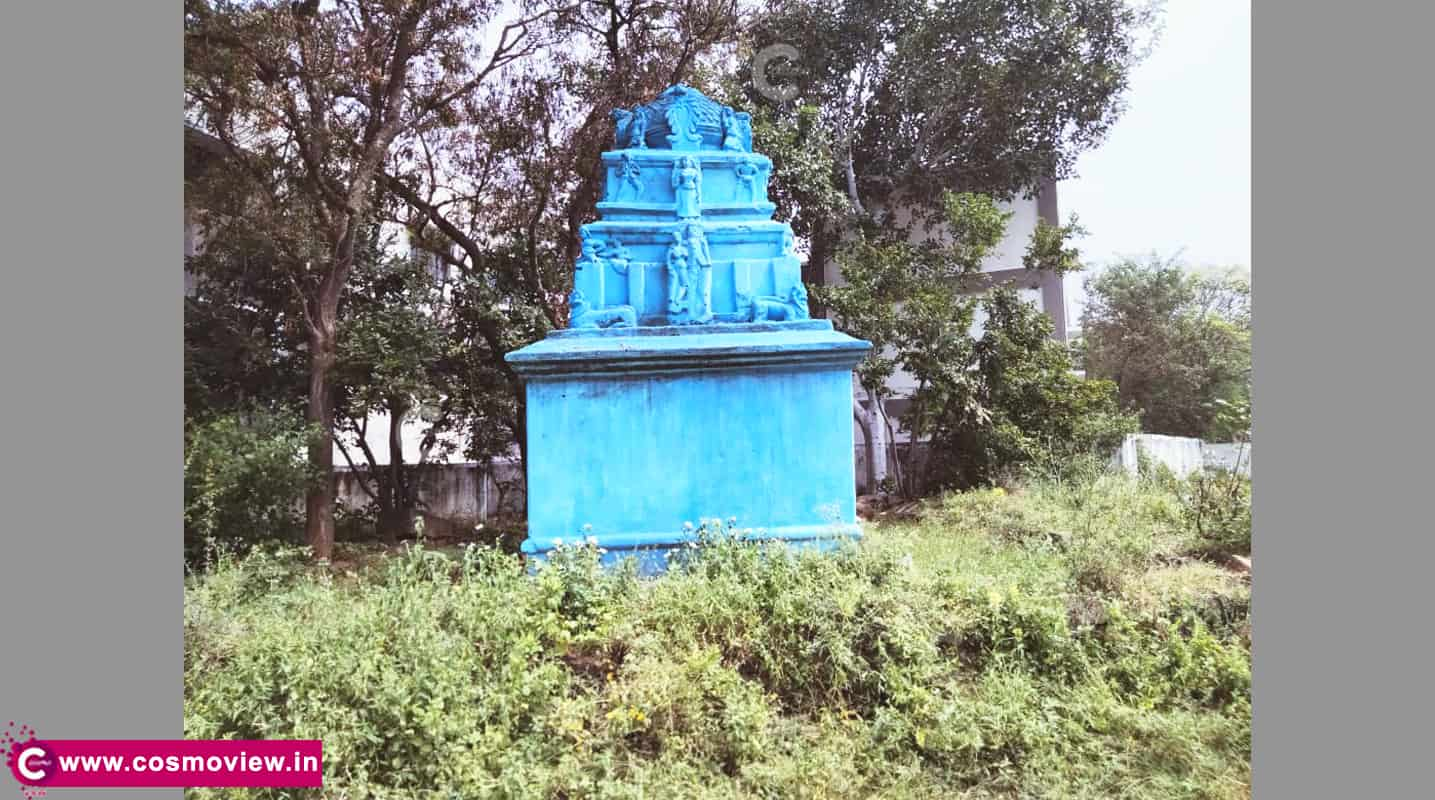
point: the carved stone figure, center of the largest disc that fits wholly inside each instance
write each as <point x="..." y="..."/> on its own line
<point x="622" y="119"/>
<point x="591" y="254"/>
<point x="638" y="130"/>
<point x="682" y="118"/>
<point x="679" y="288"/>
<point x="744" y="129"/>
<point x="797" y="301"/>
<point x="617" y="257"/>
<point x="700" y="266"/>
<point x="581" y="314"/>
<point x="747" y="172"/>
<point x="687" y="188"/>
<point x="631" y="175"/>
<point x="766" y="309"/>
<point x="731" y="131"/>
<point x="689" y="277"/>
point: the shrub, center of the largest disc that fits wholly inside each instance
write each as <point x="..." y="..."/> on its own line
<point x="1023" y="408"/>
<point x="244" y="475"/>
<point x="1218" y="504"/>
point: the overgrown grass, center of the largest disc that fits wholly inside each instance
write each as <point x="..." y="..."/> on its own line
<point x="1055" y="642"/>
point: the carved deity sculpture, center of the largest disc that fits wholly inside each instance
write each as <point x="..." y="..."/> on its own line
<point x="638" y="130"/>
<point x="687" y="188"/>
<point x="747" y="172"/>
<point x="744" y="128"/>
<point x="731" y="131"/>
<point x="797" y="300"/>
<point x="581" y="314"/>
<point x="689" y="277"/>
<point x="631" y="175"/>
<point x="679" y="289"/>
<point x="617" y="257"/>
<point x="700" y="265"/>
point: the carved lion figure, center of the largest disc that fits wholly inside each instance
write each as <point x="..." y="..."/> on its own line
<point x="581" y="314"/>
<point x="775" y="309"/>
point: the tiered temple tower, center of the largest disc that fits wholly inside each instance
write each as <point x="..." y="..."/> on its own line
<point x="691" y="382"/>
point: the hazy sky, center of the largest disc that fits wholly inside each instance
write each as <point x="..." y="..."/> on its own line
<point x="1174" y="175"/>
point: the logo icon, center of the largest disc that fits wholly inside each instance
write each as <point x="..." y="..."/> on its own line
<point x="765" y="68"/>
<point x="31" y="761"/>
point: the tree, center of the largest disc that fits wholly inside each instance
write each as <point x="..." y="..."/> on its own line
<point x="1023" y="406"/>
<point x="1177" y="344"/>
<point x="914" y="99"/>
<point x="242" y="332"/>
<point x="395" y="358"/>
<point x="985" y="404"/>
<point x="309" y="103"/>
<point x="500" y="190"/>
<point x="990" y="97"/>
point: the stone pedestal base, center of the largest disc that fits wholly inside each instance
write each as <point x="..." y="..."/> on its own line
<point x="635" y="432"/>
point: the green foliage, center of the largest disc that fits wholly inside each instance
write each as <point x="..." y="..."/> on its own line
<point x="244" y="474"/>
<point x="802" y="167"/>
<point x="242" y="325"/>
<point x="395" y="339"/>
<point x="906" y="297"/>
<point x="962" y="655"/>
<point x="1177" y="345"/>
<point x="1038" y="412"/>
<point x="1049" y="248"/>
<point x="1231" y="420"/>
<point x="399" y="356"/>
<point x="990" y="97"/>
<point x="1218" y="503"/>
<point x="992" y="406"/>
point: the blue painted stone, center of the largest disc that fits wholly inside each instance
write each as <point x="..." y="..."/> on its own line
<point x="691" y="383"/>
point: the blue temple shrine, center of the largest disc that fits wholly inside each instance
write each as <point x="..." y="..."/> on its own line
<point x="691" y="382"/>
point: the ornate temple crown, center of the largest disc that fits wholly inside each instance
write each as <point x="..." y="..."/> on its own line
<point x="683" y="118"/>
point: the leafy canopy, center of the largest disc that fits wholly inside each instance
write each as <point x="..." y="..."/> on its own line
<point x="1177" y="345"/>
<point x="991" y="96"/>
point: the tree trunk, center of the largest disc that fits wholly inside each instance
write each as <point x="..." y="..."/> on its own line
<point x="894" y="458"/>
<point x="869" y="445"/>
<point x="814" y="272"/>
<point x="874" y="423"/>
<point x="322" y="314"/>
<point x="396" y="524"/>
<point x="396" y="515"/>
<point x="319" y="502"/>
